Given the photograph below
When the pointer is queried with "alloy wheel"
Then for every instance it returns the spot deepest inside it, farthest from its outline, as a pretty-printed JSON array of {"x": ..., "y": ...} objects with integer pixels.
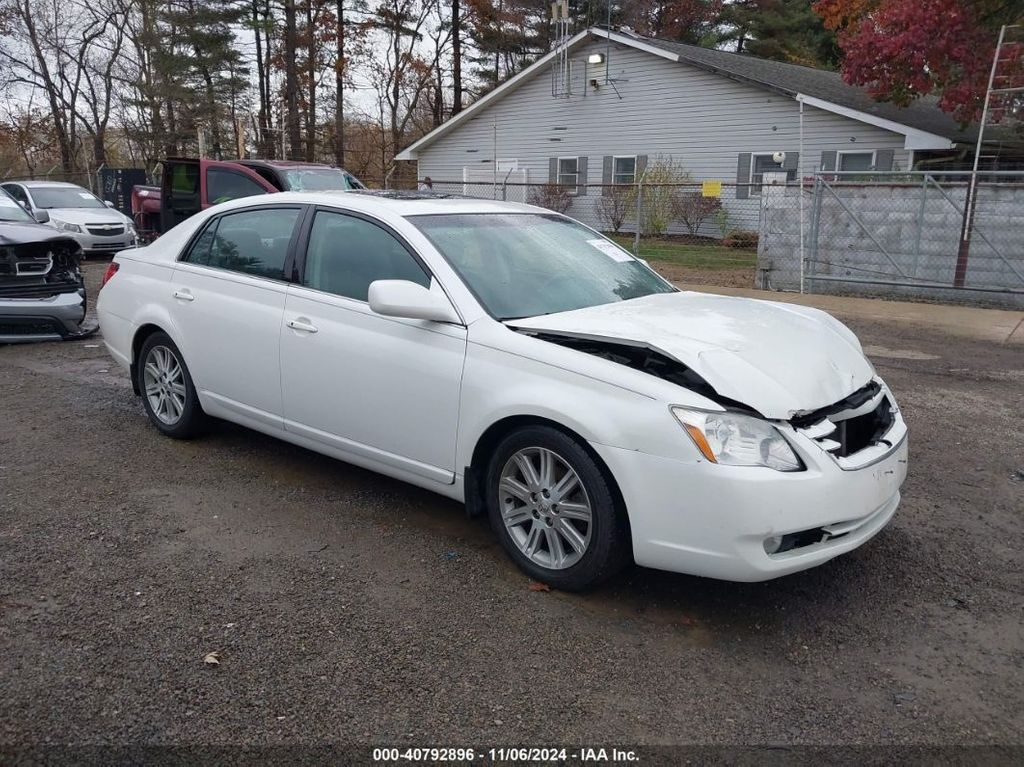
[
  {"x": 164, "y": 381},
  {"x": 545, "y": 508}
]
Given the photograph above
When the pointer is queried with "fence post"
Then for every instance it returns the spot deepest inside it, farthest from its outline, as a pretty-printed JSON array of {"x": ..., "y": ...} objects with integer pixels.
[
  {"x": 639, "y": 213},
  {"x": 920, "y": 223},
  {"x": 812, "y": 261}
]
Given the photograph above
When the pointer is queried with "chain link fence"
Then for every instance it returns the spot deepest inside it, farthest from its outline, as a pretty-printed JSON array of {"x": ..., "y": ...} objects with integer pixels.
[
  {"x": 85, "y": 178},
  {"x": 920, "y": 236}
]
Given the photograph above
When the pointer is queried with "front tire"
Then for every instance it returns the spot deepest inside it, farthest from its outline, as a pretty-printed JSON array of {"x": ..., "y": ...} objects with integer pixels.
[
  {"x": 168, "y": 393},
  {"x": 553, "y": 509}
]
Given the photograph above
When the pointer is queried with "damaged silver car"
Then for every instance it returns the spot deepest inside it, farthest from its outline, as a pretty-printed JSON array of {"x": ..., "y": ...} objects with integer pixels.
[{"x": 42, "y": 293}]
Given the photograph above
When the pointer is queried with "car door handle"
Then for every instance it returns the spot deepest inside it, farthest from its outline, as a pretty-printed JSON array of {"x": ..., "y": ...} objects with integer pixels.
[
  {"x": 302, "y": 324},
  {"x": 184, "y": 295}
]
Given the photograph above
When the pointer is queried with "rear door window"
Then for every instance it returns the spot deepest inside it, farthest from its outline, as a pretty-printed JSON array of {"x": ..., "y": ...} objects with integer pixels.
[{"x": 252, "y": 242}]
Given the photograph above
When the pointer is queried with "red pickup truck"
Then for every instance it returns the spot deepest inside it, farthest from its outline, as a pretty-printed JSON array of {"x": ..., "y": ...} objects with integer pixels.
[{"x": 190, "y": 185}]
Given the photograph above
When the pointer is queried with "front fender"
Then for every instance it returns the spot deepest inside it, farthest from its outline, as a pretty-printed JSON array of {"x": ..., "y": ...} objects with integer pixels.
[{"x": 498, "y": 385}]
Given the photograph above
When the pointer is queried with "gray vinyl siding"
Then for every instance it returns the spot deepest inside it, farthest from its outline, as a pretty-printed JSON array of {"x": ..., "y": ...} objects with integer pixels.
[{"x": 656, "y": 107}]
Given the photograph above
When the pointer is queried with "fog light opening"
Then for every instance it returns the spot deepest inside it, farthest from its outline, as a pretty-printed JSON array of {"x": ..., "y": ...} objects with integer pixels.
[{"x": 773, "y": 544}]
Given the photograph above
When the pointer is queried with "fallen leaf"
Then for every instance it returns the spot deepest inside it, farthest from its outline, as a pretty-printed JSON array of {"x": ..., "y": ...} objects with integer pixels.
[
  {"x": 538, "y": 586},
  {"x": 212, "y": 658}
]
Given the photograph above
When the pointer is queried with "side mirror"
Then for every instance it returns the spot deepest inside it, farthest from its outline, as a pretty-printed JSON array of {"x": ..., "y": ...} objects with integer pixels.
[
  {"x": 41, "y": 216},
  {"x": 108, "y": 203},
  {"x": 401, "y": 298}
]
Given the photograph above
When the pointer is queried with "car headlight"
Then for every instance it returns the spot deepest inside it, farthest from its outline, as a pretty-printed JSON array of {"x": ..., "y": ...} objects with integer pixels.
[
  {"x": 738, "y": 440},
  {"x": 64, "y": 226},
  {"x": 129, "y": 226}
]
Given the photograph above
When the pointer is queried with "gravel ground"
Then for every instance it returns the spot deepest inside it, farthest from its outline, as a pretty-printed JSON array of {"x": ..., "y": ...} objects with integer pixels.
[{"x": 350, "y": 608}]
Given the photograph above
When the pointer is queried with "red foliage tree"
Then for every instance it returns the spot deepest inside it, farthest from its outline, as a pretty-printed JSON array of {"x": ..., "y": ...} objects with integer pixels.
[{"x": 900, "y": 50}]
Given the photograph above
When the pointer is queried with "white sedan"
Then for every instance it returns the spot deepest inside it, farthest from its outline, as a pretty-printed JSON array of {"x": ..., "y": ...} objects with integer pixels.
[{"x": 515, "y": 360}]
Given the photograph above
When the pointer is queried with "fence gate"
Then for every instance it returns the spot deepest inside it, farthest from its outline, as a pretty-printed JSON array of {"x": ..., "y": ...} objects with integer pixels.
[{"x": 902, "y": 235}]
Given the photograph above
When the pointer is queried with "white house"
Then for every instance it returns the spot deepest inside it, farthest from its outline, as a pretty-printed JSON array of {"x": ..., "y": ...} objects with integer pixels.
[{"x": 597, "y": 109}]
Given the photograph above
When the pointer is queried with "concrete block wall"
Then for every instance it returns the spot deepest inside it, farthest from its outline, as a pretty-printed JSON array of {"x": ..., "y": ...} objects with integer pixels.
[{"x": 878, "y": 236}]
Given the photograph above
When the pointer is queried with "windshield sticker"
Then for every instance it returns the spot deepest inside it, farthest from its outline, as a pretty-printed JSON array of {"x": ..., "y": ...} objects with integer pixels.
[
  {"x": 85, "y": 195},
  {"x": 611, "y": 250}
]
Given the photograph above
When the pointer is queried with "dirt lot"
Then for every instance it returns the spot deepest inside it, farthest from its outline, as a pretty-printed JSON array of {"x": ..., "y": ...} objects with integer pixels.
[{"x": 354, "y": 609}]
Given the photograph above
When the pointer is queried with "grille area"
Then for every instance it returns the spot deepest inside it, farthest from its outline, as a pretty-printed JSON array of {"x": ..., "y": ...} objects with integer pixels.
[
  {"x": 102, "y": 230},
  {"x": 30, "y": 326},
  {"x": 851, "y": 425}
]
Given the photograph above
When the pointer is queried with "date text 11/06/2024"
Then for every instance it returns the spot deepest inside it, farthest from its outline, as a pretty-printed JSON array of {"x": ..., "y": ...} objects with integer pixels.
[{"x": 504, "y": 754}]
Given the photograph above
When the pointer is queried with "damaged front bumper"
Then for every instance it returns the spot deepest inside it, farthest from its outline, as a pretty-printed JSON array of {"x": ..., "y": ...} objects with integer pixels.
[
  {"x": 743, "y": 523},
  {"x": 48, "y": 318},
  {"x": 42, "y": 294}
]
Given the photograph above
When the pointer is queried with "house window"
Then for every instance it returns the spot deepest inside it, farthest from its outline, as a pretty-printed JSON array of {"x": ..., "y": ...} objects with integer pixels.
[
  {"x": 856, "y": 161},
  {"x": 569, "y": 173},
  {"x": 624, "y": 170},
  {"x": 765, "y": 163}
]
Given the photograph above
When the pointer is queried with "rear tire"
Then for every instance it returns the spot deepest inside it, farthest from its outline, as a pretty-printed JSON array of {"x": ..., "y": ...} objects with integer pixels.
[
  {"x": 168, "y": 393},
  {"x": 553, "y": 509}
]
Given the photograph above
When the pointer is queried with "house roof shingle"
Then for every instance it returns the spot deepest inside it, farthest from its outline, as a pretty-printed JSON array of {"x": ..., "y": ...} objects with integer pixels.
[{"x": 792, "y": 79}]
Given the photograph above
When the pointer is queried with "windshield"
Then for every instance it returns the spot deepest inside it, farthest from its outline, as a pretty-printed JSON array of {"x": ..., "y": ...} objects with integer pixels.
[
  {"x": 320, "y": 180},
  {"x": 527, "y": 264},
  {"x": 64, "y": 197},
  {"x": 10, "y": 210}
]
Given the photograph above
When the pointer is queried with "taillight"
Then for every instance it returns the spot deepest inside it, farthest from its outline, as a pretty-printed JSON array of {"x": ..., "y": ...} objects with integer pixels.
[{"x": 111, "y": 271}]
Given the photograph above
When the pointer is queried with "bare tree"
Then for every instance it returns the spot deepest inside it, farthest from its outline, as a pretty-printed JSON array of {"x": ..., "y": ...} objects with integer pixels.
[{"x": 291, "y": 81}]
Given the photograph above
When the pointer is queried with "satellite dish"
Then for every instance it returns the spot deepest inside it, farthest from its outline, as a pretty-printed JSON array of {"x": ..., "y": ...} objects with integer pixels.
[{"x": 779, "y": 157}]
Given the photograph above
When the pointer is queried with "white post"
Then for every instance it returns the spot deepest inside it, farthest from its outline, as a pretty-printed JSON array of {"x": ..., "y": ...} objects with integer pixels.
[{"x": 800, "y": 171}]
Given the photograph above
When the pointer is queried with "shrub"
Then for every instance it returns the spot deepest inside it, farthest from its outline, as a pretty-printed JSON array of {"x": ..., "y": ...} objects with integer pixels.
[
  {"x": 615, "y": 205},
  {"x": 740, "y": 239},
  {"x": 554, "y": 197},
  {"x": 723, "y": 221},
  {"x": 661, "y": 195},
  {"x": 694, "y": 208}
]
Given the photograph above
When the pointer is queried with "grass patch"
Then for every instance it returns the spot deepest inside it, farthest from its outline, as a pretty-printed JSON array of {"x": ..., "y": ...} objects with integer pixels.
[{"x": 690, "y": 255}]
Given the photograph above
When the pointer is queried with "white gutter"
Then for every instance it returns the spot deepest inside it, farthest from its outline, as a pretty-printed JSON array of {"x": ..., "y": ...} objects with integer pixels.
[{"x": 912, "y": 137}]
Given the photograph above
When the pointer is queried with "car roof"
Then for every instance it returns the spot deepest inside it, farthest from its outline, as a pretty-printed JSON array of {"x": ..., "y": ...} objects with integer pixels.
[
  {"x": 39, "y": 184},
  {"x": 400, "y": 203},
  {"x": 285, "y": 164}
]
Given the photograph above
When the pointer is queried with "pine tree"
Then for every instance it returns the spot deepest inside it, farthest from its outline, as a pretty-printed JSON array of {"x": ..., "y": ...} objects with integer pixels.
[
  {"x": 199, "y": 72},
  {"x": 783, "y": 30}
]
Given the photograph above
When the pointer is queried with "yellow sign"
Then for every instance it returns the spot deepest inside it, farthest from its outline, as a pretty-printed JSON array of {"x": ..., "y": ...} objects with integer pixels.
[{"x": 711, "y": 189}]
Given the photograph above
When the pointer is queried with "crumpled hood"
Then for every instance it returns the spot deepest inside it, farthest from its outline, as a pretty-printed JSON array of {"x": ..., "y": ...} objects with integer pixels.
[
  {"x": 779, "y": 359},
  {"x": 18, "y": 233}
]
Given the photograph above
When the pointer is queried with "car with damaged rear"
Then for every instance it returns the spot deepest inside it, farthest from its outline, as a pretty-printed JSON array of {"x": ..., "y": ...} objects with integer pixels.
[
  {"x": 525, "y": 365},
  {"x": 42, "y": 293}
]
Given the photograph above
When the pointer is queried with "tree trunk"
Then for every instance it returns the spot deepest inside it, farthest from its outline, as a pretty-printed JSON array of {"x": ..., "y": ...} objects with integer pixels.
[
  {"x": 339, "y": 84},
  {"x": 311, "y": 74},
  {"x": 263, "y": 114},
  {"x": 99, "y": 147},
  {"x": 291, "y": 85},
  {"x": 456, "y": 59}
]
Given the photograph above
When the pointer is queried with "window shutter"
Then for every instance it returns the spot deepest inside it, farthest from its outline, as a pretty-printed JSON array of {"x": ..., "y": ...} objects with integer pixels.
[
  {"x": 552, "y": 170},
  {"x": 883, "y": 159},
  {"x": 641, "y": 165},
  {"x": 606, "y": 174},
  {"x": 743, "y": 176},
  {"x": 581, "y": 169},
  {"x": 828, "y": 161},
  {"x": 792, "y": 161}
]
